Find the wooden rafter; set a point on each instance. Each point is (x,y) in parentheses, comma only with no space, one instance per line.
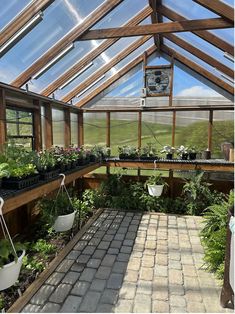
(92,55)
(122,55)
(200,54)
(208,36)
(24,17)
(218,7)
(161,28)
(73,35)
(115,77)
(197,68)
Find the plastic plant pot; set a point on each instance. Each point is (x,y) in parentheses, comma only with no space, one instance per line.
(64,222)
(155,190)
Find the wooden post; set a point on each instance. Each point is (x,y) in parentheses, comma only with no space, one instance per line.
(173,128)
(37,130)
(139,129)
(80,129)
(172,82)
(48,126)
(210,128)
(108,129)
(67,128)
(108,136)
(3,132)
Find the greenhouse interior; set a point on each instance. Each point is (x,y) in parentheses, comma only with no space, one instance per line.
(117,156)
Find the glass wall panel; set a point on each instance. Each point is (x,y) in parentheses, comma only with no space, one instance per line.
(74,128)
(94,129)
(192,129)
(123,130)
(58,126)
(223,131)
(156,130)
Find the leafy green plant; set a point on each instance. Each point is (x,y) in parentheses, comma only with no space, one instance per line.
(197,194)
(7,254)
(41,246)
(213,234)
(4,170)
(149,150)
(127,151)
(156,179)
(21,171)
(45,161)
(53,207)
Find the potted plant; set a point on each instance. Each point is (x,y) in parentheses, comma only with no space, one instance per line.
(192,152)
(169,151)
(148,152)
(46,165)
(127,152)
(20,175)
(10,263)
(3,172)
(59,212)
(182,152)
(155,184)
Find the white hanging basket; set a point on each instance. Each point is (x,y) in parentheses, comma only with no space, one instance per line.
(155,190)
(64,222)
(9,273)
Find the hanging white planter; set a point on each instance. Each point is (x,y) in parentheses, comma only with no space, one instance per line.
(9,273)
(64,222)
(155,190)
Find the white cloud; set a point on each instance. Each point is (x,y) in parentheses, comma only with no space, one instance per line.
(198,91)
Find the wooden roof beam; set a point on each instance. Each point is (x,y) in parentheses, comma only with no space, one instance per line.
(115,77)
(218,7)
(108,66)
(197,68)
(161,28)
(200,54)
(24,17)
(207,36)
(63,43)
(155,20)
(92,55)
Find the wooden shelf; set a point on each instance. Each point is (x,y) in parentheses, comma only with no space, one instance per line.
(212,165)
(23,198)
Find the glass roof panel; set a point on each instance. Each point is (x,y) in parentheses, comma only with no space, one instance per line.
(115,69)
(104,58)
(81,48)
(196,60)
(121,14)
(225,33)
(189,9)
(9,9)
(60,17)
(206,47)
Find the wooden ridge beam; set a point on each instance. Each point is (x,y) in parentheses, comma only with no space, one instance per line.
(92,55)
(200,54)
(207,36)
(25,16)
(160,28)
(197,68)
(218,7)
(155,20)
(115,77)
(108,66)
(72,36)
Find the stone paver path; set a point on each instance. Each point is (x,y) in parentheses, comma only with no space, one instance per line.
(132,262)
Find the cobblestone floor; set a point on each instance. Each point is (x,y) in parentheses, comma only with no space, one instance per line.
(132,262)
